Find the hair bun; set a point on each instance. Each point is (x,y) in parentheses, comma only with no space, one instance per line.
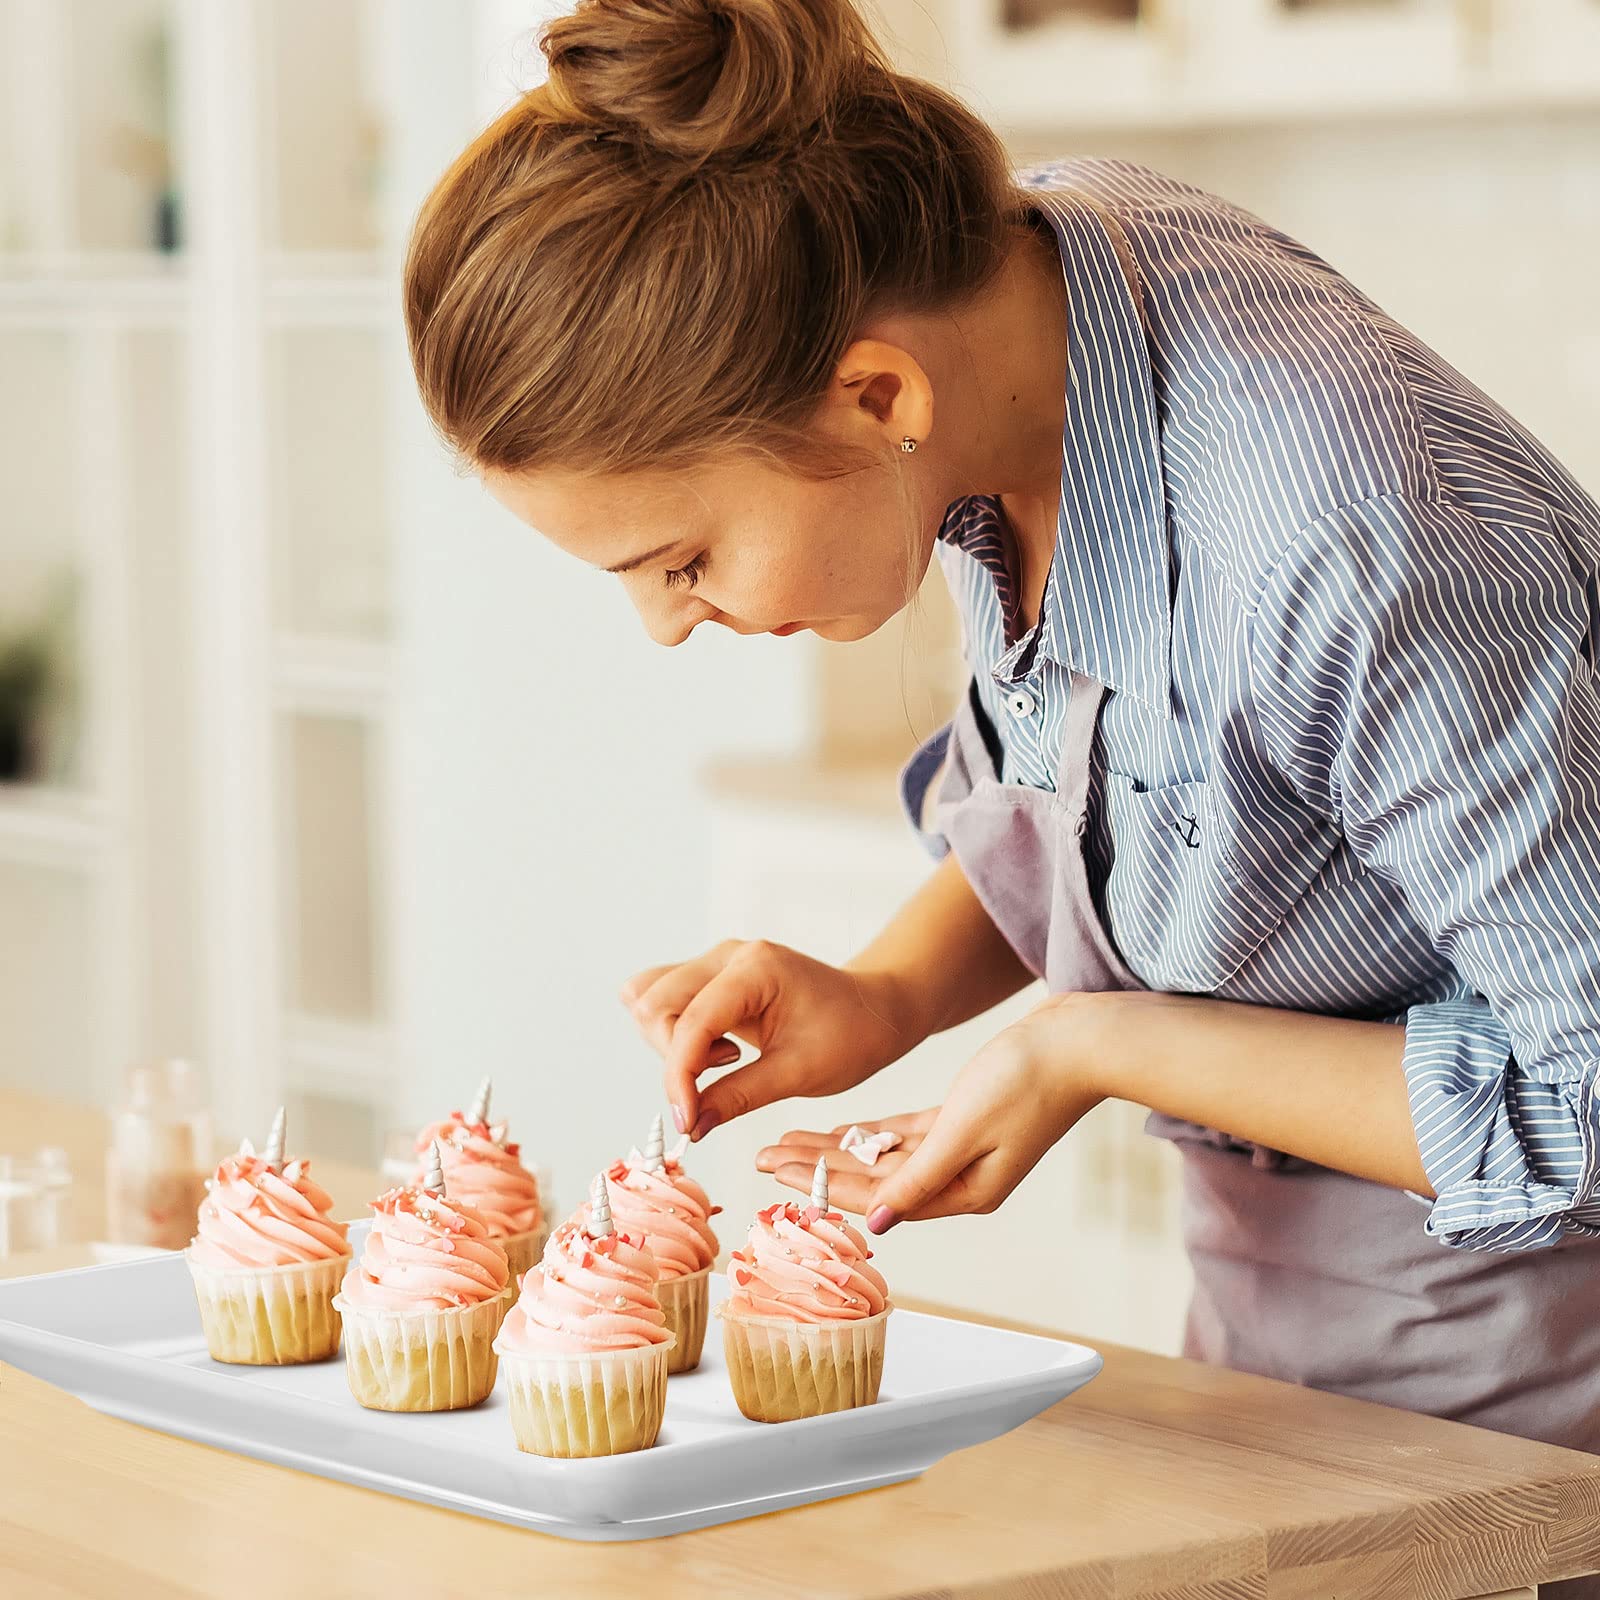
(699,80)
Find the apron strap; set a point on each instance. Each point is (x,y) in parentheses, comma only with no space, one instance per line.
(1077,740)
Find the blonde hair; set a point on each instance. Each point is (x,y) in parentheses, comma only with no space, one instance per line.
(661,254)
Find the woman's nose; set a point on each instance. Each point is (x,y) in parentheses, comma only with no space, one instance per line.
(671,623)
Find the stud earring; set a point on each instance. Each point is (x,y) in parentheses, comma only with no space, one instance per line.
(908,444)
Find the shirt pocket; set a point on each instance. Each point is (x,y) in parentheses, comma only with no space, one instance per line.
(1193,891)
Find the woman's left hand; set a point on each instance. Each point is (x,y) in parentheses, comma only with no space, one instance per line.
(1023,1091)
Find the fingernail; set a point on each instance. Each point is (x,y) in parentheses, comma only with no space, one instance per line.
(880,1219)
(703,1124)
(723,1055)
(679,1120)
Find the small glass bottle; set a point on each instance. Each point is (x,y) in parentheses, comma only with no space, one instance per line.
(154,1184)
(186,1093)
(19,1204)
(52,1221)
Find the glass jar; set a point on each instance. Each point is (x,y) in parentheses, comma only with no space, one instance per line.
(154,1183)
(35,1195)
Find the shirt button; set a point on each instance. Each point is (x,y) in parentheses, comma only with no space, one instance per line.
(1021,704)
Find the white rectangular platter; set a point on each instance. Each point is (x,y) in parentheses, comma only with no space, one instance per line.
(126,1339)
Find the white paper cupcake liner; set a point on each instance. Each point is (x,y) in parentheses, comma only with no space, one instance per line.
(269,1316)
(687,1302)
(522,1253)
(602,1404)
(781,1370)
(430,1359)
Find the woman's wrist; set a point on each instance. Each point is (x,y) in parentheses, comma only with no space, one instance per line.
(898,1001)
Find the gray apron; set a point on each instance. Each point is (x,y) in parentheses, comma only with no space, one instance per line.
(1301,1273)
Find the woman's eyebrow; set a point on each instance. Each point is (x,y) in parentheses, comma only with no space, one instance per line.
(639,561)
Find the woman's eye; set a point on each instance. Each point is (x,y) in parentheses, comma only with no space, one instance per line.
(686,576)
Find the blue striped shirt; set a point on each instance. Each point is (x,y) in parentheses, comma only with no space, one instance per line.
(1347,612)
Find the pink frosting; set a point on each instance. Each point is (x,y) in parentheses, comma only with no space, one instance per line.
(426,1250)
(668,1210)
(255,1217)
(586,1295)
(806,1265)
(483,1170)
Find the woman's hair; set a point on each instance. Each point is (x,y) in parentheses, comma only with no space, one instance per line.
(661,254)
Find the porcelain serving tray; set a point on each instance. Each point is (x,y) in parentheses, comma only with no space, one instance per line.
(126,1339)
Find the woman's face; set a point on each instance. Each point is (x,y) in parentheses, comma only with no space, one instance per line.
(741,543)
(744,543)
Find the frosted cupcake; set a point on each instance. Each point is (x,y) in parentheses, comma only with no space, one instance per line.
(486,1173)
(804,1327)
(422,1306)
(655,1201)
(586,1345)
(266,1260)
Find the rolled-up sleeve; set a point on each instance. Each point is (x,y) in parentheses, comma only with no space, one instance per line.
(1427,678)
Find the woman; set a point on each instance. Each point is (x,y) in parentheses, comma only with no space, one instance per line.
(1280,762)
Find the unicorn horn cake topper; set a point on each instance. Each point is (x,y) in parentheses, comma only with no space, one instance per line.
(678,1150)
(819,1185)
(273,1154)
(480,1106)
(433,1178)
(600,1223)
(655,1148)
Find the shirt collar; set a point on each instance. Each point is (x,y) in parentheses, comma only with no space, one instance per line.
(1108,604)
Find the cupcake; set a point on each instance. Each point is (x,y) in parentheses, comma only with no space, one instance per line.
(485,1172)
(804,1326)
(653,1200)
(422,1306)
(586,1345)
(266,1260)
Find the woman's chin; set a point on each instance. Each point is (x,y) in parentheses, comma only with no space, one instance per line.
(846,630)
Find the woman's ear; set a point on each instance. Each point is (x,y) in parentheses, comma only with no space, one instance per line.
(887,392)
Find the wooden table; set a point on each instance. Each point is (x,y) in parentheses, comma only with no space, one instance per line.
(1161,1478)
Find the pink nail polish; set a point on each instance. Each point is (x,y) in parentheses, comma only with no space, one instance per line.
(679,1121)
(880,1219)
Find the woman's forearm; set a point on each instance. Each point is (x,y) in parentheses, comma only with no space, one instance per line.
(1326,1089)
(942,955)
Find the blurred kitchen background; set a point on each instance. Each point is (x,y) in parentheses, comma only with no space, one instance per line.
(320,772)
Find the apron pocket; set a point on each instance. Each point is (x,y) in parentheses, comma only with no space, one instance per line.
(1188,900)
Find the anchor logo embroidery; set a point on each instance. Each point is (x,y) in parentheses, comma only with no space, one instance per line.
(1189,831)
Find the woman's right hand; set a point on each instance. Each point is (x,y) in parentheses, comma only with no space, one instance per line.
(820,1029)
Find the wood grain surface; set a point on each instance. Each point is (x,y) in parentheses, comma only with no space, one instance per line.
(1162,1478)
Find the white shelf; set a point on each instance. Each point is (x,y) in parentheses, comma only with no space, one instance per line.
(333,678)
(351,1060)
(1220,63)
(337,288)
(49,827)
(299,290)
(139,288)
